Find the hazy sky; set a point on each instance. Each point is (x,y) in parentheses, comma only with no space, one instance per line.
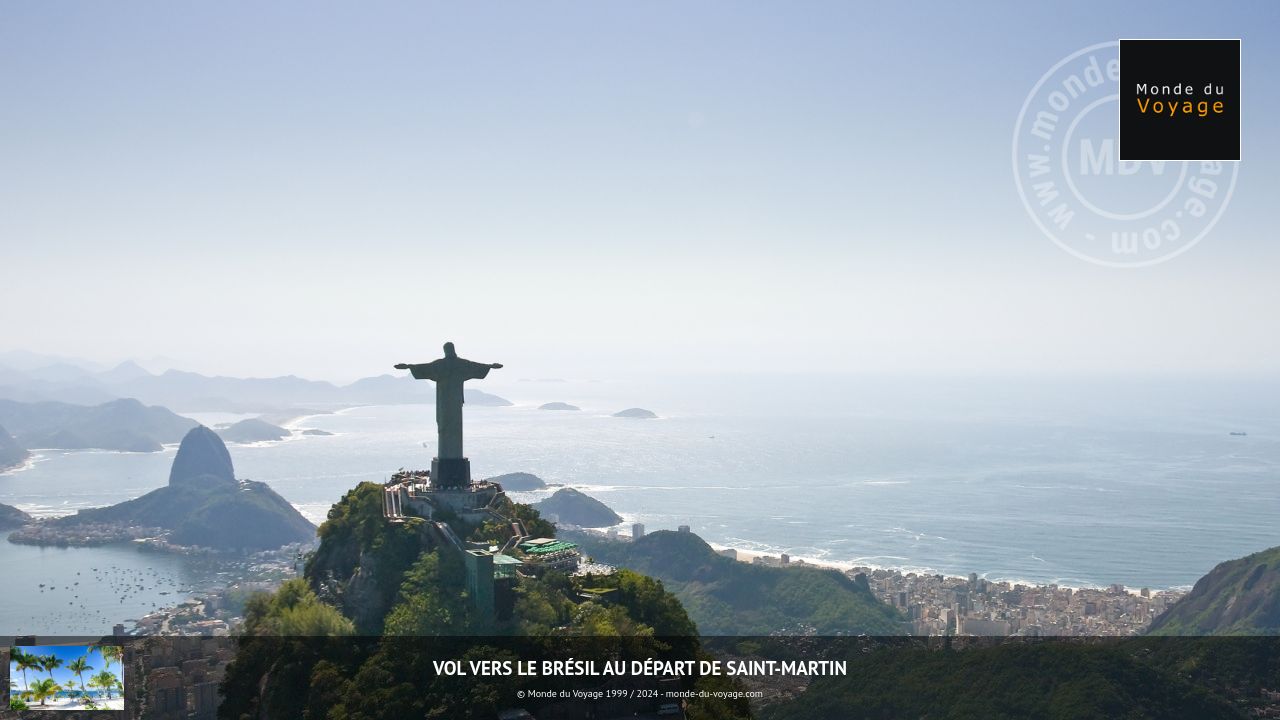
(325,189)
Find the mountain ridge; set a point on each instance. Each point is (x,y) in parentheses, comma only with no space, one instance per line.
(1236,597)
(203,506)
(190,391)
(11,517)
(11,453)
(577,508)
(124,424)
(728,597)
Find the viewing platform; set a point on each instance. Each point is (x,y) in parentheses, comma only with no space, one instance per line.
(551,554)
(410,493)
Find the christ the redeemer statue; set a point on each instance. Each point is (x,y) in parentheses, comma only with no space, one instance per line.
(450,468)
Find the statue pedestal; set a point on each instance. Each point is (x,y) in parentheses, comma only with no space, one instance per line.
(450,472)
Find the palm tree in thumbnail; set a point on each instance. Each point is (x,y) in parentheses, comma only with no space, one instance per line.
(49,663)
(43,689)
(79,666)
(25,661)
(105,680)
(110,654)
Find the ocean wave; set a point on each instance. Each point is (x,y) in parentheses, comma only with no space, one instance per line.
(1082,488)
(913,533)
(295,423)
(588,488)
(30,462)
(315,512)
(102,451)
(41,510)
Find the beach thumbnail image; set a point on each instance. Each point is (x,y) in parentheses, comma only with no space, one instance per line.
(66,677)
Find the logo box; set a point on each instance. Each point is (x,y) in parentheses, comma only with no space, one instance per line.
(1179,100)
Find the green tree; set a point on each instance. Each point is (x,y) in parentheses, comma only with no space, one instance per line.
(652,605)
(106,680)
(358,539)
(610,621)
(79,666)
(540,607)
(432,601)
(25,661)
(110,654)
(295,611)
(328,688)
(499,531)
(43,689)
(49,663)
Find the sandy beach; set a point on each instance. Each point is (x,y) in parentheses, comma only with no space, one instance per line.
(64,703)
(750,556)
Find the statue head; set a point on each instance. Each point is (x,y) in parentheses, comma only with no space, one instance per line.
(449,351)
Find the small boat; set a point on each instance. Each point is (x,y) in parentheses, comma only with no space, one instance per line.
(1239,434)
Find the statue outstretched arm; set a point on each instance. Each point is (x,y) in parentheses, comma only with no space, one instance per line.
(424,371)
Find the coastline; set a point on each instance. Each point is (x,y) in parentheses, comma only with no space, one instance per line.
(932,603)
(293,422)
(745,549)
(936,604)
(845,566)
(27,463)
(62,704)
(749,556)
(309,510)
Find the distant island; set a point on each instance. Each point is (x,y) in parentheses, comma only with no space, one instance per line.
(558,406)
(202,507)
(252,430)
(317,432)
(11,517)
(125,425)
(577,508)
(519,481)
(11,453)
(639,413)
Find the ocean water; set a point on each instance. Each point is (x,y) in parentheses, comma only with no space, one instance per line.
(1083,482)
(86,591)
